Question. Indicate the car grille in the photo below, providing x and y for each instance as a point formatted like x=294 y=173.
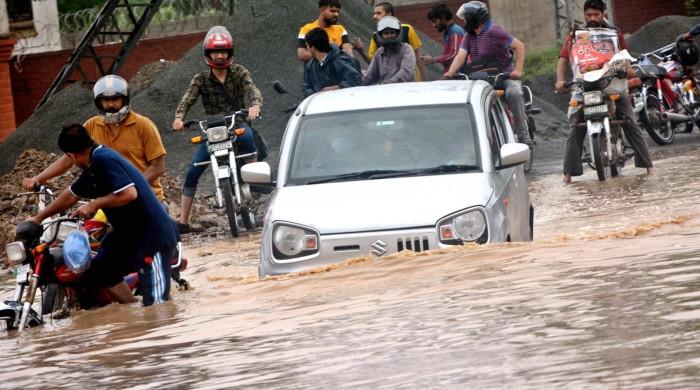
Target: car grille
x=416 y=244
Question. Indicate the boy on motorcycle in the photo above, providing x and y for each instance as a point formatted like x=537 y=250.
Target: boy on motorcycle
x=594 y=13
x=394 y=61
x=487 y=42
x=143 y=237
x=224 y=88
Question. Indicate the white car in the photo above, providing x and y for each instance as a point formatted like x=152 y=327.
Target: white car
x=382 y=169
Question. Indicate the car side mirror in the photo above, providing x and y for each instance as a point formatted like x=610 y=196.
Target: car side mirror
x=513 y=154
x=257 y=173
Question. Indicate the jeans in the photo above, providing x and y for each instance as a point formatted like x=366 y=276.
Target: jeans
x=516 y=102
x=633 y=134
x=246 y=144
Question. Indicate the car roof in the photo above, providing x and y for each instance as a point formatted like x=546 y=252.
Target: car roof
x=392 y=95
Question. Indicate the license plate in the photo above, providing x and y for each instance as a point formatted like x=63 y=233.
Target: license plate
x=22 y=273
x=595 y=110
x=220 y=146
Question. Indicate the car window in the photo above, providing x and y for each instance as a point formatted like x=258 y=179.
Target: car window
x=396 y=139
x=495 y=133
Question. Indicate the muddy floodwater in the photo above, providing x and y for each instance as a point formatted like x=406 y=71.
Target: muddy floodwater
x=608 y=296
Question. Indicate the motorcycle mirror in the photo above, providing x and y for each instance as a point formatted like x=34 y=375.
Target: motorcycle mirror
x=279 y=88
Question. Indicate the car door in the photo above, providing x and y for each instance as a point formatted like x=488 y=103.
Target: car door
x=511 y=186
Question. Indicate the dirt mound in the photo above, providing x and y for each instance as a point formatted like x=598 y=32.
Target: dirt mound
x=660 y=32
x=265 y=40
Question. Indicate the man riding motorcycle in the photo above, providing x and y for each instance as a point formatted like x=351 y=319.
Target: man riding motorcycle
x=486 y=43
x=594 y=13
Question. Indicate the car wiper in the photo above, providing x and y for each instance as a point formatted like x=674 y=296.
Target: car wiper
x=370 y=174
x=448 y=168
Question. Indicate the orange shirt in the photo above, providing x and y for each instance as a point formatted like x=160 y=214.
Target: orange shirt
x=336 y=34
x=137 y=139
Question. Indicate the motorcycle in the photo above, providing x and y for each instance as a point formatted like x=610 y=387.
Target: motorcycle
x=40 y=265
x=597 y=92
x=670 y=94
x=220 y=134
x=496 y=79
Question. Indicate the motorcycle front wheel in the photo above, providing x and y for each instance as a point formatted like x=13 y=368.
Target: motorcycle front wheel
x=53 y=299
x=662 y=132
x=230 y=203
x=598 y=157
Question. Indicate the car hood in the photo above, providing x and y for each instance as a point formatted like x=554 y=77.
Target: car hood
x=370 y=205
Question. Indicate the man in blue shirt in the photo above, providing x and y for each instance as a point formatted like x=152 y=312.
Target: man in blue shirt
x=329 y=68
x=143 y=236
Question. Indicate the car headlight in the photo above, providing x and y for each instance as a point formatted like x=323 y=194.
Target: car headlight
x=293 y=241
x=217 y=134
x=592 y=98
x=15 y=252
x=64 y=228
x=469 y=226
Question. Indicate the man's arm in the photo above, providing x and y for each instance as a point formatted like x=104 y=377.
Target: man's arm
x=519 y=48
x=452 y=49
x=155 y=169
x=347 y=48
x=359 y=47
x=115 y=199
x=457 y=63
x=372 y=75
x=421 y=65
x=188 y=99
x=346 y=74
x=560 y=85
x=64 y=201
x=57 y=168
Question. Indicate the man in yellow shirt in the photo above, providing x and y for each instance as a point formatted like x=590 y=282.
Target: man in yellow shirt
x=409 y=36
x=134 y=136
x=329 y=12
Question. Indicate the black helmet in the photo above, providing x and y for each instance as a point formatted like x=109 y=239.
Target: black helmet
x=474 y=14
x=595 y=4
x=687 y=53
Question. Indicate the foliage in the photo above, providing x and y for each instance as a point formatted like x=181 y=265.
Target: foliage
x=541 y=61
x=77 y=5
x=692 y=7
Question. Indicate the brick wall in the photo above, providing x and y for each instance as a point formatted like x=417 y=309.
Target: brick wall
x=7 y=114
x=630 y=15
x=34 y=73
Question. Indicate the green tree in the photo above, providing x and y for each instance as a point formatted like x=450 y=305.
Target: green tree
x=65 y=6
x=692 y=7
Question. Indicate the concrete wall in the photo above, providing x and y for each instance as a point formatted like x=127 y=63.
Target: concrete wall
x=4 y=20
x=48 y=36
x=532 y=21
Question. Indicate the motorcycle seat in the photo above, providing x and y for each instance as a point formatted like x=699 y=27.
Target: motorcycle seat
x=651 y=70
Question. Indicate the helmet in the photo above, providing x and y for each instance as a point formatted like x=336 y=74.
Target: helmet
x=474 y=14
x=218 y=38
x=595 y=4
x=389 y=23
x=687 y=53
x=111 y=86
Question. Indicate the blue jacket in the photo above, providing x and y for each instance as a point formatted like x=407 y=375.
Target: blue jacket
x=336 y=69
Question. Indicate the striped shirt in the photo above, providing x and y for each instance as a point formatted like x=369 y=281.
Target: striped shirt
x=452 y=40
x=238 y=84
x=490 y=48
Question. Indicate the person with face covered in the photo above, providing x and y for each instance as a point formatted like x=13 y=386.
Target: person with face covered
x=394 y=61
x=594 y=14
x=225 y=88
x=132 y=135
x=329 y=13
x=441 y=18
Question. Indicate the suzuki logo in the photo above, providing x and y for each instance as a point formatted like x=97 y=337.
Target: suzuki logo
x=379 y=248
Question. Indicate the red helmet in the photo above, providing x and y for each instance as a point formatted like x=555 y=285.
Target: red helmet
x=218 y=38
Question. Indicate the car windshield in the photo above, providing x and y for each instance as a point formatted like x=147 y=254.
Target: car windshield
x=383 y=143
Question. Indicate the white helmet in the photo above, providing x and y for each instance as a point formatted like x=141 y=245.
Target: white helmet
x=111 y=86
x=391 y=23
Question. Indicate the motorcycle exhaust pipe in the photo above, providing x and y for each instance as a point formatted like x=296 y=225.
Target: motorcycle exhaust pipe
x=675 y=117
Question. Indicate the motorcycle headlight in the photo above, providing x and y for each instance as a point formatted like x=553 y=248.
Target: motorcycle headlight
x=64 y=229
x=217 y=134
x=592 y=98
x=469 y=226
x=293 y=241
x=15 y=252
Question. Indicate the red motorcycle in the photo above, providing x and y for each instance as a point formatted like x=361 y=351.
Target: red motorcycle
x=40 y=266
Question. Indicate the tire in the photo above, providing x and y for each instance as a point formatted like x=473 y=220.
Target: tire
x=53 y=299
x=661 y=132
x=598 y=159
x=230 y=203
x=248 y=216
x=532 y=223
x=614 y=170
x=7 y=320
x=531 y=131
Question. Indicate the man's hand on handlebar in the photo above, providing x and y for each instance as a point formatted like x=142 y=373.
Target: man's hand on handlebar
x=177 y=124
x=515 y=74
x=560 y=86
x=30 y=183
x=85 y=211
x=253 y=112
x=448 y=76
